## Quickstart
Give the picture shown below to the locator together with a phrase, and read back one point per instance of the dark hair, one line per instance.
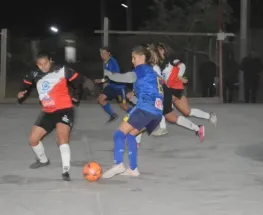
(43, 54)
(105, 48)
(142, 50)
(168, 51)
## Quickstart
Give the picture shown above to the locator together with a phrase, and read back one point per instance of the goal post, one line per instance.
(220, 36)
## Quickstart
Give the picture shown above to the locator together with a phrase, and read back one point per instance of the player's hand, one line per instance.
(98, 81)
(21, 94)
(75, 100)
(185, 81)
(129, 95)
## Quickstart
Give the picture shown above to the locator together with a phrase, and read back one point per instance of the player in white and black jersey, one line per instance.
(52, 84)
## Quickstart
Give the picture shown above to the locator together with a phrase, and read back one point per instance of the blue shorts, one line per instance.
(140, 119)
(113, 92)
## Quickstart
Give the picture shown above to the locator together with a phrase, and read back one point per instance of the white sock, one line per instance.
(184, 122)
(162, 123)
(139, 138)
(199, 114)
(65, 156)
(40, 152)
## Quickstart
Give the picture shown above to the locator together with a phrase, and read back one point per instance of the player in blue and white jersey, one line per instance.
(113, 89)
(147, 113)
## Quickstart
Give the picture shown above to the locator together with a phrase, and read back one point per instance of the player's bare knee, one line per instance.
(134, 132)
(34, 139)
(62, 138)
(171, 117)
(186, 112)
(102, 99)
(36, 135)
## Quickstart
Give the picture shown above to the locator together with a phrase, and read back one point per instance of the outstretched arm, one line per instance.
(129, 77)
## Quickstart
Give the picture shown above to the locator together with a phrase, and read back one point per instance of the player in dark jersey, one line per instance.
(147, 112)
(113, 89)
(52, 83)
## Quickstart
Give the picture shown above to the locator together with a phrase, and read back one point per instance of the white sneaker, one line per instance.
(160, 132)
(115, 170)
(130, 172)
(213, 118)
(139, 138)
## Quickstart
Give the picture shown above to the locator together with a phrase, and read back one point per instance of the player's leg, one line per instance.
(172, 117)
(137, 120)
(162, 130)
(122, 100)
(132, 153)
(152, 122)
(181, 103)
(65, 120)
(43, 125)
(103, 100)
(119, 138)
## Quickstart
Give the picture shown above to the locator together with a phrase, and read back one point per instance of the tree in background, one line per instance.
(187, 16)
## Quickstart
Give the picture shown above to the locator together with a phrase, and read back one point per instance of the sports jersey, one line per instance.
(147, 87)
(158, 71)
(172, 72)
(112, 65)
(52, 87)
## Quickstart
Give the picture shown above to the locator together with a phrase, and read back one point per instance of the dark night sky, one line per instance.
(35, 19)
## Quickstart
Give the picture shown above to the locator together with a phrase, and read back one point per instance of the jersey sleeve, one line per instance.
(157, 69)
(129, 77)
(28, 81)
(27, 85)
(75, 81)
(70, 74)
(182, 69)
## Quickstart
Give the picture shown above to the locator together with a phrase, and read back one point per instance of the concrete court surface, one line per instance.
(179, 176)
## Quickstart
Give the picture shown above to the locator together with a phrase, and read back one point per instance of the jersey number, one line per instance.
(159, 85)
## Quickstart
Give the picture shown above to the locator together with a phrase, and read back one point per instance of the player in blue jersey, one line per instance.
(147, 113)
(113, 89)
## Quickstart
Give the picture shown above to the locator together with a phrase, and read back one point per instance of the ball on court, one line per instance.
(92, 171)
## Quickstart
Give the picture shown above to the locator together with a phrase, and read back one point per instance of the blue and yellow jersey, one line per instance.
(148, 89)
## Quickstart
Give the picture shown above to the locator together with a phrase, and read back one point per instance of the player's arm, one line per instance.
(76, 82)
(128, 77)
(113, 68)
(181, 73)
(25, 88)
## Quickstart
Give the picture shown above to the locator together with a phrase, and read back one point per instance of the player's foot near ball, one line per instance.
(130, 172)
(65, 176)
(113, 118)
(201, 133)
(213, 118)
(39, 164)
(115, 170)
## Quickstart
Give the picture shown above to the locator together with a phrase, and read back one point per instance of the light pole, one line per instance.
(128, 8)
(244, 11)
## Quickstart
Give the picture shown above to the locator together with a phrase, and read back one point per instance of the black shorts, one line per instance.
(168, 98)
(48, 121)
